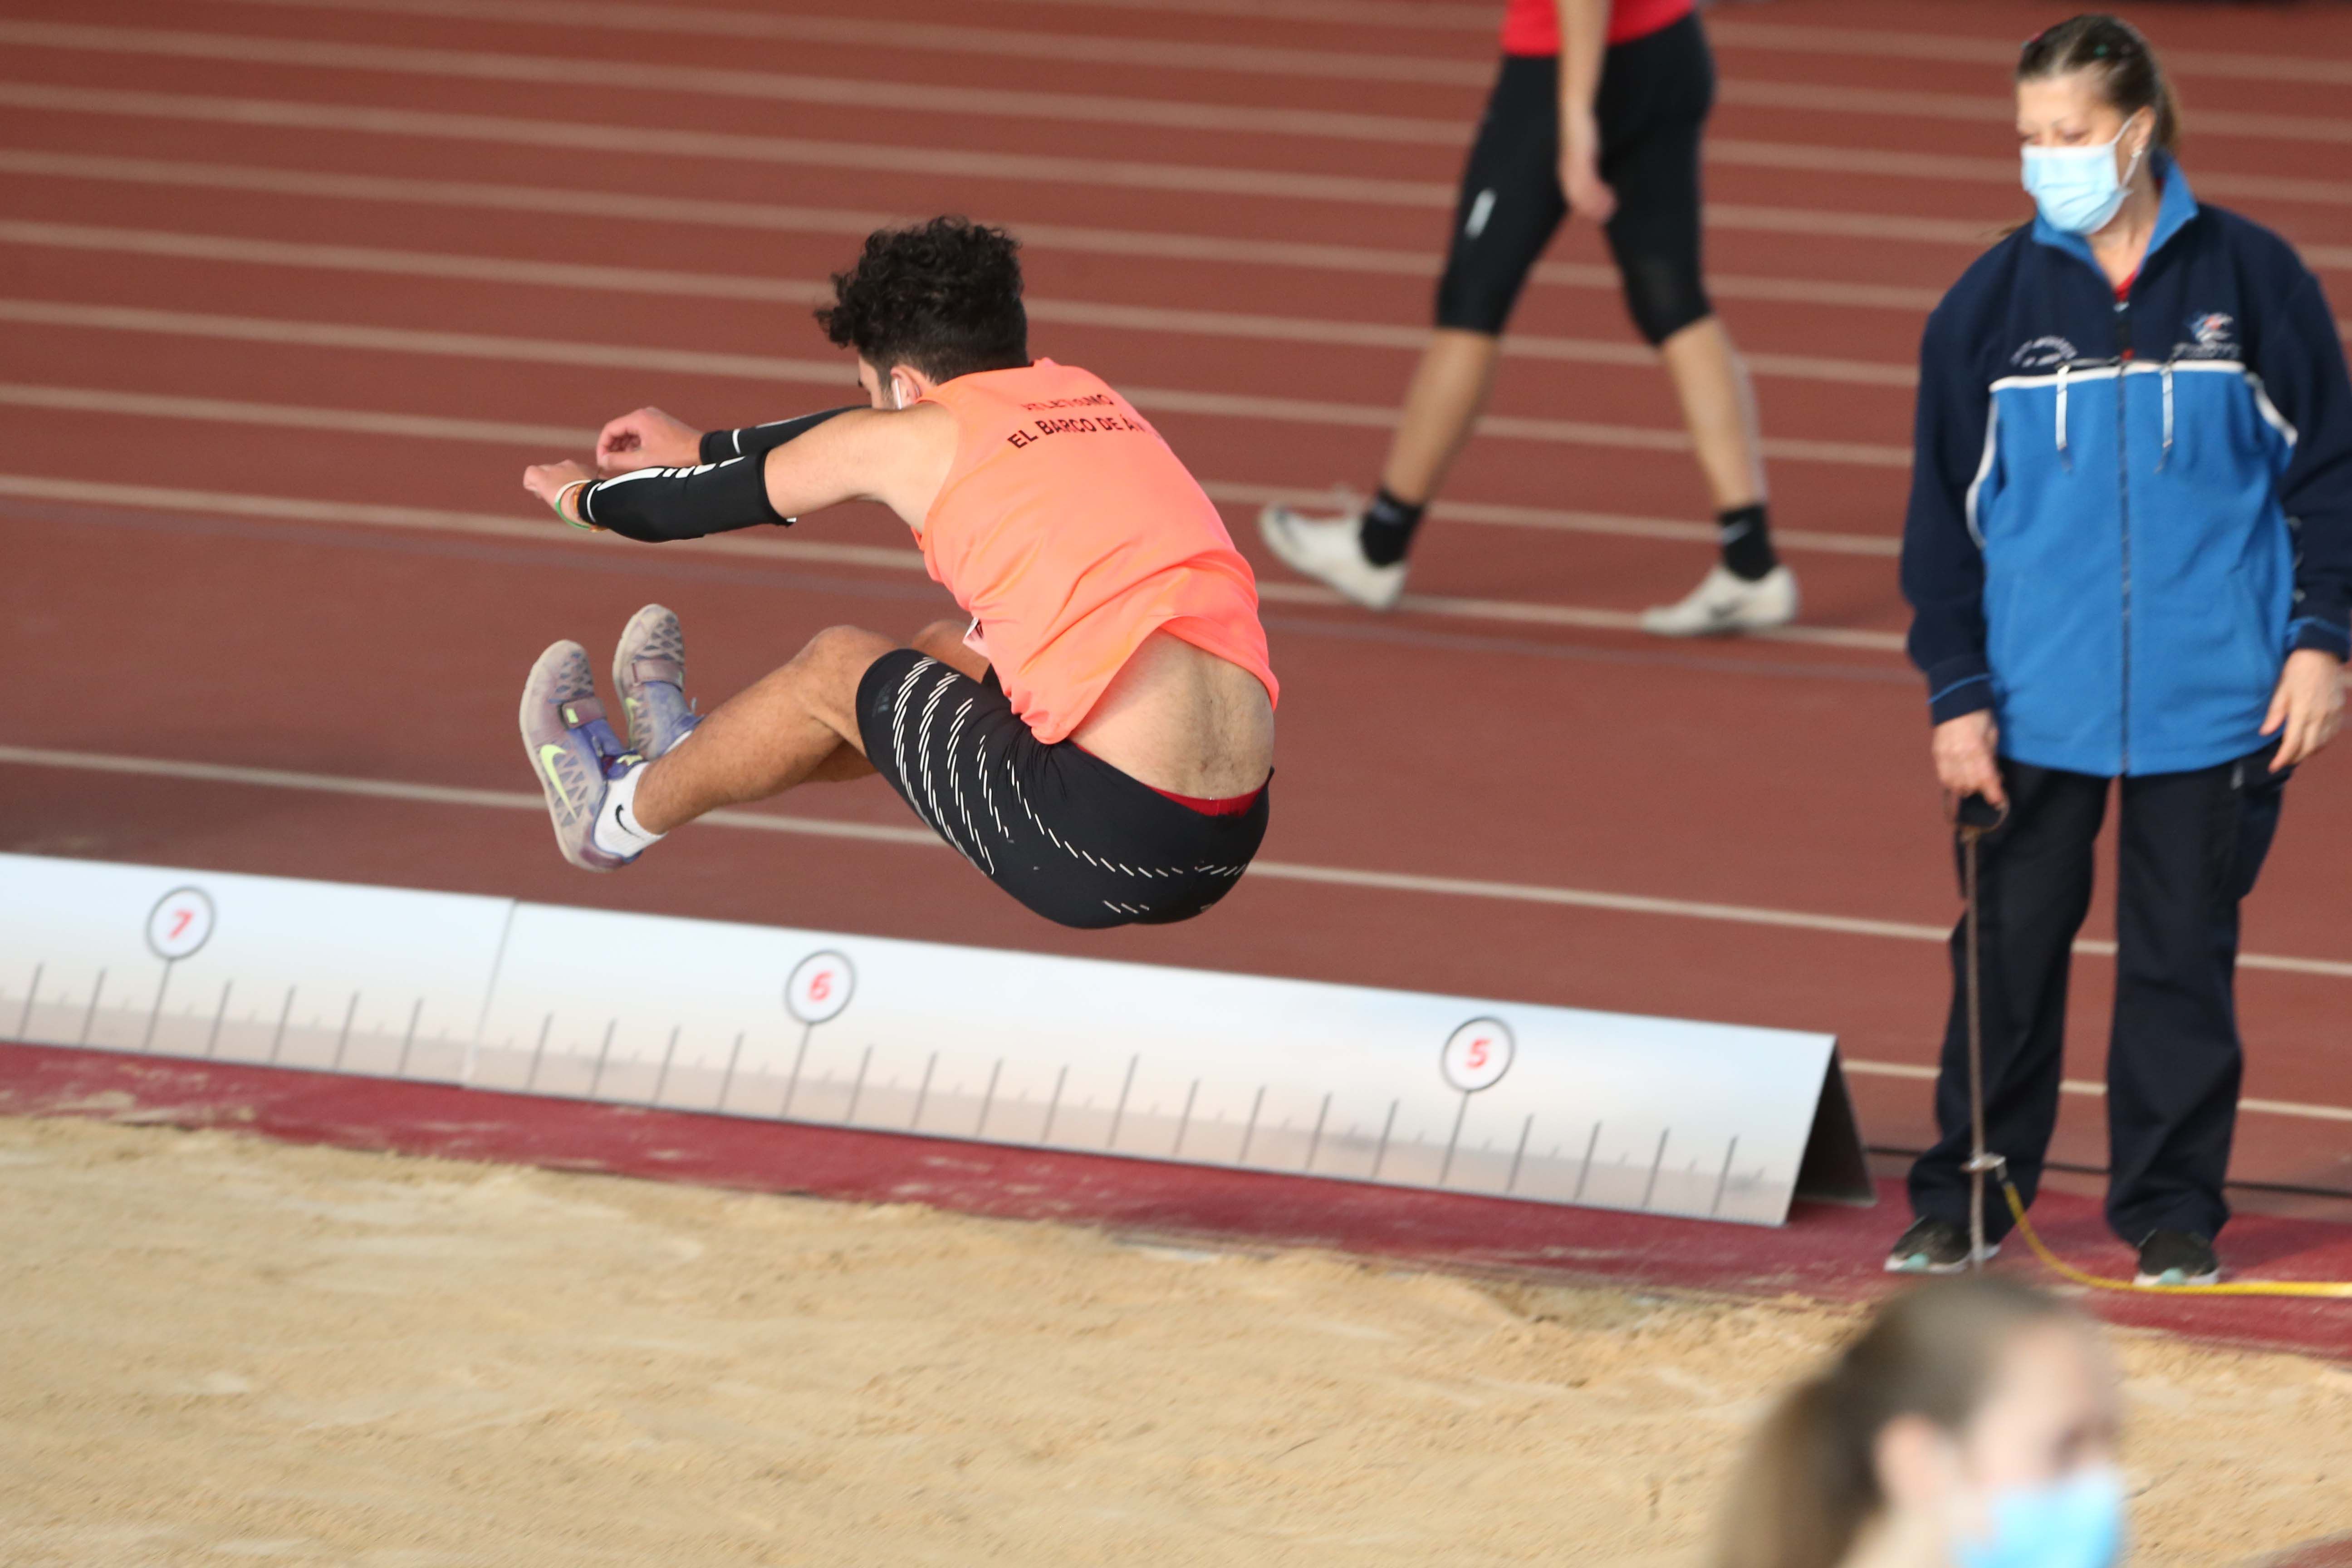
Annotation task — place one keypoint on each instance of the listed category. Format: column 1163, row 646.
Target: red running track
column 279, row 260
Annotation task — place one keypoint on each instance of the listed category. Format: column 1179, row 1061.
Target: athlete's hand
column 1966, row 764
column 2307, row 706
column 1589, row 195
column 647, row 438
column 547, row 480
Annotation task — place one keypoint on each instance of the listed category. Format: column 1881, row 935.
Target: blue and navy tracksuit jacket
column 2124, row 515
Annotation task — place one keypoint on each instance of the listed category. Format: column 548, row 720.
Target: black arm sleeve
column 657, row 504
column 752, row 440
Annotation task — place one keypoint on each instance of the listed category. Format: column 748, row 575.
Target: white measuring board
column 1540, row 1103
column 269, row 970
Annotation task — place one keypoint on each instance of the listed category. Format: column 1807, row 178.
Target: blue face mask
column 2077, row 188
column 2077, row 1522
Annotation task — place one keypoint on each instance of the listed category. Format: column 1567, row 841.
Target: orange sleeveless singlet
column 1070, row 532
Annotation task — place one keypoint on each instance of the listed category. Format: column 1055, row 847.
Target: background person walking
column 1599, row 109
column 2129, row 557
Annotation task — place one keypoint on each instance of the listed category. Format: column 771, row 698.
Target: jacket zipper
column 2123, row 505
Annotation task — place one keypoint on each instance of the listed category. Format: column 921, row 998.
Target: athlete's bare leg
column 1719, row 405
column 1449, row 392
column 795, row 726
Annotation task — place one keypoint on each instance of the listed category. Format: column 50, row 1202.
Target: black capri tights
column 1654, row 95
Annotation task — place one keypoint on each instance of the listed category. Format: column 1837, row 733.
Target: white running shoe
column 1331, row 551
column 649, row 674
column 573, row 751
column 1723, row 603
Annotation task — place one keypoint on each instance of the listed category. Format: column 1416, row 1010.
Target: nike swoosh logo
column 548, row 755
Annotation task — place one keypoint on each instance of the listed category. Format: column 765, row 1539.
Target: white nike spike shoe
column 649, row 676
column 573, row 751
column 1723, row 603
column 1330, row 550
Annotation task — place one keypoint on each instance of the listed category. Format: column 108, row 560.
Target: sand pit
column 215, row 1350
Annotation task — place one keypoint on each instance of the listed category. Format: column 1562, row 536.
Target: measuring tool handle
column 1975, row 814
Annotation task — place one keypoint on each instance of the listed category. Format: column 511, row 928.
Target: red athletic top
column 1532, row 27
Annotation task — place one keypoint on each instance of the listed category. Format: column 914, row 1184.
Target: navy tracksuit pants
column 2191, row 846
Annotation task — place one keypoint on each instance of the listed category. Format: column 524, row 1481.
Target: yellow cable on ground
column 2340, row 1290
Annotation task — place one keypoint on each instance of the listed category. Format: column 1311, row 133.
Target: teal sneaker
column 2171, row 1259
column 1933, row 1247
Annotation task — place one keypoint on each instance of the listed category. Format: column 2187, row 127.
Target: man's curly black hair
column 943, row 298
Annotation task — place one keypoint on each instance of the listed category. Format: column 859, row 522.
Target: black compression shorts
column 1655, row 92
column 1072, row 837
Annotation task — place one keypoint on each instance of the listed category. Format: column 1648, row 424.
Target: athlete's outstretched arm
column 896, row 458
column 649, row 438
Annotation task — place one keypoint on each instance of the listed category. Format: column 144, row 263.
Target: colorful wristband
column 563, row 509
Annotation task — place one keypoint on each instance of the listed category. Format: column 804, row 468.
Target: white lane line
column 1081, row 48
column 1329, row 875
column 1994, row 171
column 734, row 146
column 1982, row 109
column 421, row 794
column 1587, row 619
column 927, row 162
column 2099, row 1090
column 1974, row 234
column 827, row 372
column 894, row 34
column 291, row 416
column 565, row 438
column 538, row 274
column 476, row 524
column 1427, row 16
column 1452, row 134
column 290, row 508
column 769, row 87
column 636, row 207
column 410, row 340
column 1874, row 44
column 774, row 86
column 1231, row 494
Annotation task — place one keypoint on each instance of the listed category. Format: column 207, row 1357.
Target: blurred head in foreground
column 1971, row 1423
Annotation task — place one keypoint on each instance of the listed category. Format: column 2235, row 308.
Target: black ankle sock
column 1747, row 541
column 1388, row 529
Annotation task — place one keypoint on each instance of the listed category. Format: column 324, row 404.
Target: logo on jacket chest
column 2043, row 353
column 2207, row 334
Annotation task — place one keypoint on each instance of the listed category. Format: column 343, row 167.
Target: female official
column 1598, row 110
column 2129, row 556
column 1971, row 1426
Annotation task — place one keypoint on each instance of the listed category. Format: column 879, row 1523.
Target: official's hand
column 1965, row 762
column 2307, row 706
column 547, row 480
column 647, row 438
column 1589, row 195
